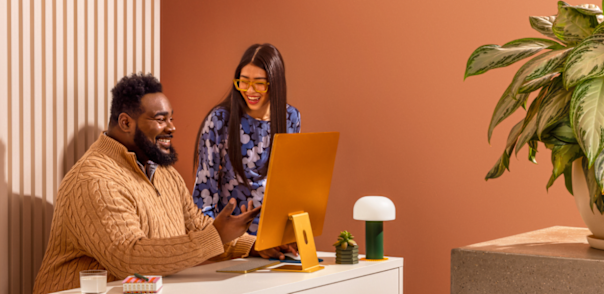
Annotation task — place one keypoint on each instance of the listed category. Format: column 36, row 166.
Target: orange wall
column 388, row 75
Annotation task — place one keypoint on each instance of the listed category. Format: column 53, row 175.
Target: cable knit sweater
column 108, row 215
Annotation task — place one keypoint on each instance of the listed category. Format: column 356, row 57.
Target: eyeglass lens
column 258, row 86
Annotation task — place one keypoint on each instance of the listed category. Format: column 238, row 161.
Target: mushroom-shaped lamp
column 374, row 210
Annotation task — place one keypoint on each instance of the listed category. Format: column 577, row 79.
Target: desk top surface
column 557, row 242
column 205, row 277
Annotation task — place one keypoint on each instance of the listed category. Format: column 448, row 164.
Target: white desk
column 382, row 277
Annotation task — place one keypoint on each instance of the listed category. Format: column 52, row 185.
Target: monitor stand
column 306, row 246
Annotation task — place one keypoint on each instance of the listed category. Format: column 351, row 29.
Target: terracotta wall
column 388, row 75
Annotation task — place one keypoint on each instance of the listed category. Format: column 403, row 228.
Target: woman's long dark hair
column 268, row 58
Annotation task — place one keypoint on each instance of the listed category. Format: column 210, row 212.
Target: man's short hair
column 128, row 92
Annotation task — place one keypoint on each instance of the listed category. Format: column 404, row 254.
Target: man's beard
column 153, row 152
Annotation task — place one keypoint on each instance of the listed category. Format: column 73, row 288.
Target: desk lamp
column 374, row 210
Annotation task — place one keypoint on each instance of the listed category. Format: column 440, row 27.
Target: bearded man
column 123, row 207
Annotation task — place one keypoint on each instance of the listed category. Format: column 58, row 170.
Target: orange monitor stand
column 306, row 246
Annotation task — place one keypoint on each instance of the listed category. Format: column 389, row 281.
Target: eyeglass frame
column 252, row 83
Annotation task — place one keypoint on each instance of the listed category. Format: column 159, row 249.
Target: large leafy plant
column 567, row 114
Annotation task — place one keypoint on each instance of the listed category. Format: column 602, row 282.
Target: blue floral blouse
column 215, row 183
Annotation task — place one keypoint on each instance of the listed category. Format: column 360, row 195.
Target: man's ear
column 126, row 123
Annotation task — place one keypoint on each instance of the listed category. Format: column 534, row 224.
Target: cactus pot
column 349, row 255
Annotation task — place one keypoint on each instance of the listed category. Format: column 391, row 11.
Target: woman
column 234, row 143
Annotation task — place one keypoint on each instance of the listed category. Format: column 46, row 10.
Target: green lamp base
column 374, row 240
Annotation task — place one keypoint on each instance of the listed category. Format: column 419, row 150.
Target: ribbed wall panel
column 59, row 60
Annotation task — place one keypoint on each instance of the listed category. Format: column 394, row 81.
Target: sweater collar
column 114, row 149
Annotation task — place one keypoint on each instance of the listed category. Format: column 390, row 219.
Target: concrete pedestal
column 552, row 260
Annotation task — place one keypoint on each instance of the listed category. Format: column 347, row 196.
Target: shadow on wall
column 27, row 222
column 82, row 134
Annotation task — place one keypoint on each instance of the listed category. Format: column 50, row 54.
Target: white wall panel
column 80, row 73
column 59, row 60
column 129, row 27
column 155, row 45
column 26, row 145
column 14, row 161
column 147, row 29
column 37, row 134
column 138, row 35
column 120, row 39
column 4, row 193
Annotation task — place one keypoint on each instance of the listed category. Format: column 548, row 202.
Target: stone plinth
column 552, row 260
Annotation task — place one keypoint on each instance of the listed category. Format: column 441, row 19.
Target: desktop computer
column 295, row 199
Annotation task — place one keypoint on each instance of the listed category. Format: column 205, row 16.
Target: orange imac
column 297, row 189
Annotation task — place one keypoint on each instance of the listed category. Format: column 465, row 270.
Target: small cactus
column 344, row 240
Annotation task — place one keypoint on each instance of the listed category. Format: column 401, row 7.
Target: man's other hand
column 276, row 252
column 230, row 226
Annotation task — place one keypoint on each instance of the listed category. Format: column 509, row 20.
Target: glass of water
column 93, row 281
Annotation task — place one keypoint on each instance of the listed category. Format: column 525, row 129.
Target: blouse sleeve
column 298, row 123
column 206, row 192
column 293, row 120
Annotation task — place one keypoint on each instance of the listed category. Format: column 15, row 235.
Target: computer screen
column 298, row 180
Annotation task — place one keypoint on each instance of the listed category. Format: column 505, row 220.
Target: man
column 124, row 208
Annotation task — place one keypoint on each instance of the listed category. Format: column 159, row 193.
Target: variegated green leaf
column 536, row 84
column 539, row 66
column 599, row 170
column 533, row 151
column 526, row 134
column 529, row 125
column 499, row 167
column 503, row 162
column 554, row 107
column 524, row 104
column 568, row 179
column 505, row 107
column 564, row 132
column 588, row 9
column 562, row 157
column 572, row 25
column 513, row 137
column 586, row 61
column 549, row 141
column 595, row 194
column 543, row 25
column 587, row 117
column 488, row 57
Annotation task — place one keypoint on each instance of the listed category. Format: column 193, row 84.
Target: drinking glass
column 93, row 281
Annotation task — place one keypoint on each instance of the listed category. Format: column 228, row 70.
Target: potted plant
column 567, row 114
column 347, row 251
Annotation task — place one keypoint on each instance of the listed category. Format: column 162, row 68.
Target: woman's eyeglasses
column 243, row 85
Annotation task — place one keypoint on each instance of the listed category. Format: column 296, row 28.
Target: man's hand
column 276, row 252
column 230, row 226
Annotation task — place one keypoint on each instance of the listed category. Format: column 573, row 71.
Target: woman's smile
column 253, row 100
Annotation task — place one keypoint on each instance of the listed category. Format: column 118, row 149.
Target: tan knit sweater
column 108, row 215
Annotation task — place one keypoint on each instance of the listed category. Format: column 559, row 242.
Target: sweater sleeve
column 103, row 221
column 206, row 192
